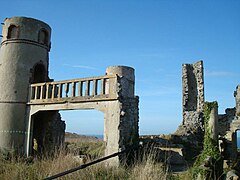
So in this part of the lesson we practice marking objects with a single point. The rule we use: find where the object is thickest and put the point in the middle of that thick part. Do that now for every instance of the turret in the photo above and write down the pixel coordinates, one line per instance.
(23, 60)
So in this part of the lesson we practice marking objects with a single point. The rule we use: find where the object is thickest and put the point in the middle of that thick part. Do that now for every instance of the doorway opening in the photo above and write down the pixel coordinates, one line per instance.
(84, 134)
(48, 132)
(39, 74)
(43, 120)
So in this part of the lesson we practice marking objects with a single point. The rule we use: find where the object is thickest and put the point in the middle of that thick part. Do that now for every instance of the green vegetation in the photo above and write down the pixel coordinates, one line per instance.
(91, 149)
(65, 158)
(210, 147)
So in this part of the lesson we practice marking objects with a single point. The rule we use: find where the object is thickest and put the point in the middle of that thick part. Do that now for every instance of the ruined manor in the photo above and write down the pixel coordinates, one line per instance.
(30, 101)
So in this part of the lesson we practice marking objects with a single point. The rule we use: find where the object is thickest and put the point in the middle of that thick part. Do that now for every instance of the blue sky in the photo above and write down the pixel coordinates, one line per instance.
(154, 37)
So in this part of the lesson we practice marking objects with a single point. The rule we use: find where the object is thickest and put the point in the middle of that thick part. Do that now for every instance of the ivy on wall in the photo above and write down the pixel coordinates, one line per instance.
(210, 148)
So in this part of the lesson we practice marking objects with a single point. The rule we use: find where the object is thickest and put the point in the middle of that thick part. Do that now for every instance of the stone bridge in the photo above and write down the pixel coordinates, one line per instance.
(72, 94)
(112, 94)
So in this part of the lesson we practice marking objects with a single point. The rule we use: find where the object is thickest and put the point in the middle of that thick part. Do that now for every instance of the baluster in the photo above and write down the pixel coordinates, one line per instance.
(47, 91)
(66, 89)
(53, 90)
(35, 94)
(103, 86)
(80, 85)
(41, 92)
(87, 88)
(73, 89)
(32, 92)
(60, 87)
(95, 86)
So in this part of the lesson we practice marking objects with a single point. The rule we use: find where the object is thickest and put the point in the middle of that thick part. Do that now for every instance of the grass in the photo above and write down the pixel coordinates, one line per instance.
(144, 168)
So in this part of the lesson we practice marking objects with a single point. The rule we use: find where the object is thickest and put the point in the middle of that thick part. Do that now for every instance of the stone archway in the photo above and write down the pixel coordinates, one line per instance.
(115, 99)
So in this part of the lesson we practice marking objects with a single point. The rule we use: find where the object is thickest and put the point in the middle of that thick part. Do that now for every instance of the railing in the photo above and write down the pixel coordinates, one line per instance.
(84, 89)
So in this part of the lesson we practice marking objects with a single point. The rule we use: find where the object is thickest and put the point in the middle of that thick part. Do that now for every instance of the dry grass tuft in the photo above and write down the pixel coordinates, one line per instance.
(39, 168)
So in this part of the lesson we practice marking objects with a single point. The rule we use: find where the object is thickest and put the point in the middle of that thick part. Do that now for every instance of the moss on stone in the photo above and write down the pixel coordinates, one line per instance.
(210, 146)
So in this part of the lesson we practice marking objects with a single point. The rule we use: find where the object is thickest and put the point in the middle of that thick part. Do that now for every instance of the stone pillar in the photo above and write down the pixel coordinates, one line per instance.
(213, 123)
(193, 95)
(121, 116)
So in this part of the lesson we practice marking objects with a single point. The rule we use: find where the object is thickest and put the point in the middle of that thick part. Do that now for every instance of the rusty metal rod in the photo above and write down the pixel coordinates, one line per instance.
(133, 147)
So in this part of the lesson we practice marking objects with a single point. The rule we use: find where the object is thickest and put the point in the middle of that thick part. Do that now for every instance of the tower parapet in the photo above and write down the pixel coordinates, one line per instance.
(26, 30)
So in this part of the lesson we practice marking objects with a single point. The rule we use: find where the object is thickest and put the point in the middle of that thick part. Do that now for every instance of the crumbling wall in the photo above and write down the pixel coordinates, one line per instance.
(225, 120)
(193, 95)
(48, 131)
(237, 96)
(57, 130)
(121, 116)
(208, 164)
(129, 126)
(191, 131)
(228, 124)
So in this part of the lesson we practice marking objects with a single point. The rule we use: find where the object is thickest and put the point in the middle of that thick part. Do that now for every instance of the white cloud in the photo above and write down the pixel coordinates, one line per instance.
(152, 55)
(219, 73)
(79, 66)
(162, 91)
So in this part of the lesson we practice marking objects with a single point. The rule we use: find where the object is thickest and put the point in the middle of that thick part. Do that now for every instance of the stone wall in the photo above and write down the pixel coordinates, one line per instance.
(237, 96)
(228, 124)
(48, 131)
(224, 120)
(121, 116)
(191, 131)
(192, 100)
(129, 125)
(57, 128)
(193, 95)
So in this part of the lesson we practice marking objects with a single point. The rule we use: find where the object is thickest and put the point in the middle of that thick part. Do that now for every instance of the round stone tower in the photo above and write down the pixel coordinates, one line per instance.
(23, 60)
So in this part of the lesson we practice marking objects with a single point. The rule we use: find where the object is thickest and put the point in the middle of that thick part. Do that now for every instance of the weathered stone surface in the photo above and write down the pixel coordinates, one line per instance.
(224, 120)
(190, 132)
(232, 175)
(213, 123)
(237, 96)
(193, 95)
(228, 124)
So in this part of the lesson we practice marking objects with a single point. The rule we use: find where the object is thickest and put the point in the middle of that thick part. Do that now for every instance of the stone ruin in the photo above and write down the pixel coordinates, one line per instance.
(193, 96)
(29, 100)
(181, 148)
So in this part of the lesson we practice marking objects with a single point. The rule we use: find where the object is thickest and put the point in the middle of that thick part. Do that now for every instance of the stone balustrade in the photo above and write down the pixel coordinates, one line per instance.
(84, 89)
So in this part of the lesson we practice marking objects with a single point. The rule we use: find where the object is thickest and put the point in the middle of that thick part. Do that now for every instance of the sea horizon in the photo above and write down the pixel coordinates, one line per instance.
(100, 136)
